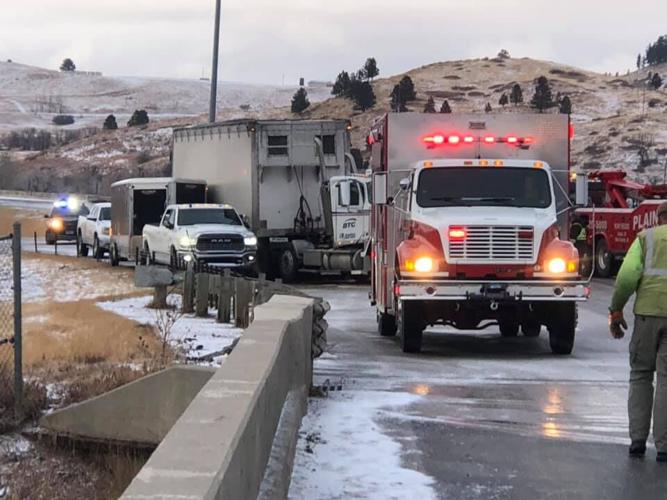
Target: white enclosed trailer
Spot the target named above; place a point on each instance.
(295, 182)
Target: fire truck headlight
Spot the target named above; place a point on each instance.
(424, 265)
(56, 224)
(557, 266)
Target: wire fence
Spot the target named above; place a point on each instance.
(10, 377)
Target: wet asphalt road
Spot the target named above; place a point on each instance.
(500, 418)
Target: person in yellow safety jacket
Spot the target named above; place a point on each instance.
(644, 271)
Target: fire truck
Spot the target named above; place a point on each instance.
(619, 209)
(466, 217)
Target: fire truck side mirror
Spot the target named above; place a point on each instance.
(581, 190)
(380, 188)
(405, 184)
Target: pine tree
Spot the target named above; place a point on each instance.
(542, 99)
(371, 68)
(430, 105)
(67, 65)
(639, 61)
(565, 106)
(407, 89)
(398, 100)
(503, 54)
(656, 81)
(342, 85)
(110, 123)
(445, 107)
(516, 96)
(488, 108)
(503, 100)
(362, 94)
(139, 117)
(300, 101)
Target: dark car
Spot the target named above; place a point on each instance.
(63, 220)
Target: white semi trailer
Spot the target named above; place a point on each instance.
(296, 183)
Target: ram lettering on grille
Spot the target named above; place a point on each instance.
(220, 243)
(494, 243)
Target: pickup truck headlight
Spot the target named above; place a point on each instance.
(106, 231)
(187, 242)
(250, 241)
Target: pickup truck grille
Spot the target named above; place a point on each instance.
(220, 243)
(493, 243)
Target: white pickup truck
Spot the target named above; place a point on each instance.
(214, 234)
(93, 231)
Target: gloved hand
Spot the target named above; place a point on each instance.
(617, 324)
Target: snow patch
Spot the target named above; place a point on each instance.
(343, 452)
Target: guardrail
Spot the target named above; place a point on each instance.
(221, 445)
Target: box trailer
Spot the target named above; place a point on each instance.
(296, 183)
(141, 201)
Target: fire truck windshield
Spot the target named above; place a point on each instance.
(483, 186)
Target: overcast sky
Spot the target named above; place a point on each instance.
(264, 40)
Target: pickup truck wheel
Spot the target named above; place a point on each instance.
(147, 258)
(509, 327)
(563, 327)
(113, 255)
(603, 260)
(288, 265)
(98, 253)
(386, 324)
(173, 258)
(81, 247)
(410, 328)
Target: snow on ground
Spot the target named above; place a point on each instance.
(197, 337)
(342, 437)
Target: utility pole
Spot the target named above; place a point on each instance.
(214, 69)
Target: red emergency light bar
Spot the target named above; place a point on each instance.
(435, 140)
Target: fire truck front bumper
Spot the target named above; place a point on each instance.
(494, 291)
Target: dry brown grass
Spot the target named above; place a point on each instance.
(31, 221)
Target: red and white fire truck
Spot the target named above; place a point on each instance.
(621, 208)
(467, 213)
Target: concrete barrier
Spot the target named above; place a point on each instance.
(139, 413)
(221, 445)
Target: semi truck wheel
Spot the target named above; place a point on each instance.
(603, 260)
(81, 247)
(386, 324)
(562, 327)
(410, 328)
(509, 327)
(288, 265)
(113, 255)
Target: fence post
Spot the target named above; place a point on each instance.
(188, 289)
(18, 331)
(35, 235)
(201, 305)
(225, 297)
(242, 302)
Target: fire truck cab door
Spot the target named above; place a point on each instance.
(350, 220)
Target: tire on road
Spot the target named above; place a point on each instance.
(113, 255)
(410, 328)
(531, 328)
(81, 247)
(98, 251)
(386, 324)
(603, 260)
(508, 325)
(288, 265)
(562, 327)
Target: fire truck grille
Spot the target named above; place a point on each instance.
(220, 243)
(494, 243)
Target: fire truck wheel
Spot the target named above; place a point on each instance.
(410, 328)
(386, 324)
(531, 329)
(509, 327)
(562, 328)
(603, 260)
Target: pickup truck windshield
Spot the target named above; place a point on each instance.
(483, 187)
(105, 213)
(190, 217)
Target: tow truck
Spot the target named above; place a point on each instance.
(621, 209)
(466, 221)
